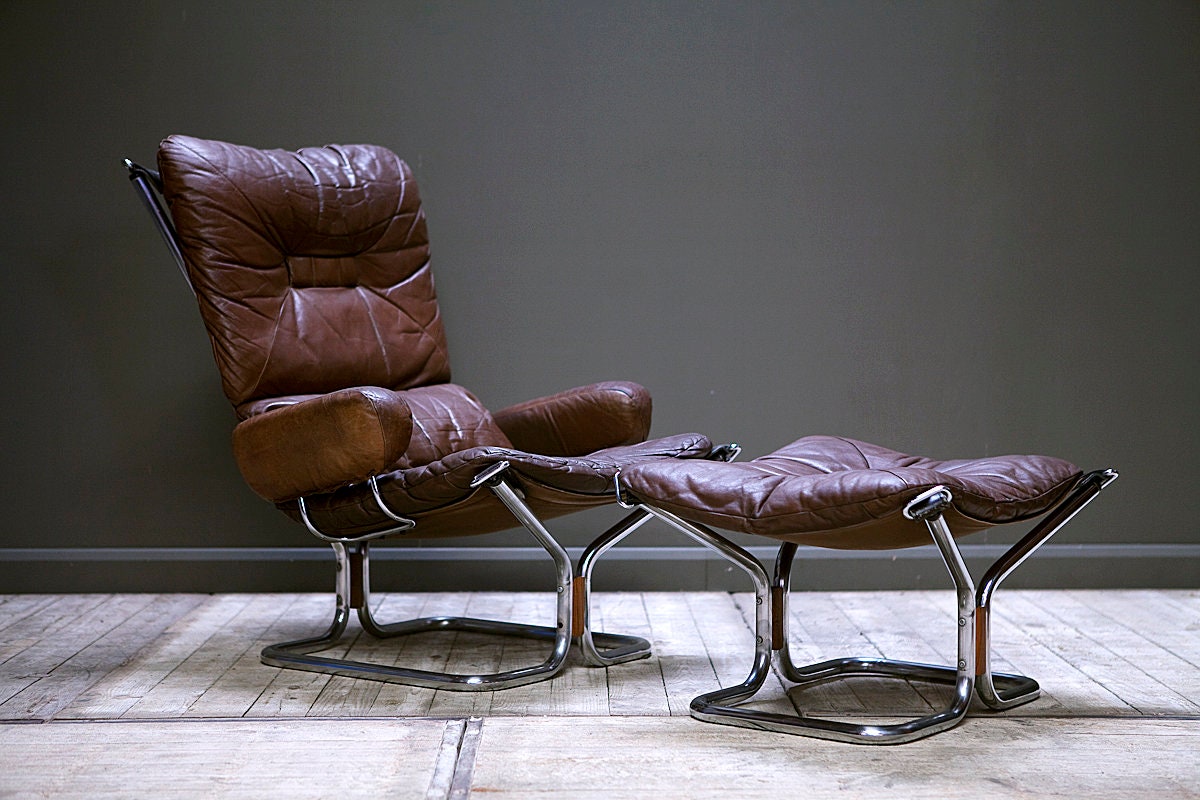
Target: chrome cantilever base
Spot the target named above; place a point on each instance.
(971, 675)
(353, 593)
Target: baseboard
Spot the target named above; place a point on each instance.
(220, 569)
(628, 553)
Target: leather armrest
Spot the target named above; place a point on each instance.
(579, 421)
(320, 444)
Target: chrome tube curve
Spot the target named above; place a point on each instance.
(711, 705)
(405, 524)
(1086, 491)
(286, 654)
(961, 676)
(998, 690)
(618, 648)
(353, 591)
(148, 184)
(562, 564)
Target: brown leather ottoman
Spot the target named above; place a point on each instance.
(839, 493)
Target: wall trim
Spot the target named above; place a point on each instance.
(680, 553)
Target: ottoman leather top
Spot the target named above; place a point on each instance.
(835, 492)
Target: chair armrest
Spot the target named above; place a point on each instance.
(323, 443)
(579, 421)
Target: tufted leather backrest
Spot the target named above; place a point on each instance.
(311, 268)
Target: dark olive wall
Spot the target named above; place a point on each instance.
(957, 228)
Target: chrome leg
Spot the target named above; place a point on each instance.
(617, 648)
(1000, 691)
(961, 676)
(719, 706)
(294, 654)
(353, 591)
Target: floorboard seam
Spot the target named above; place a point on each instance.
(447, 760)
(464, 767)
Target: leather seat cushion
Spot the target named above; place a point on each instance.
(836, 492)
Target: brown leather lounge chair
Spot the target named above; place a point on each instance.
(833, 492)
(312, 273)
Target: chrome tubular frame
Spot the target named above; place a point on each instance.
(1011, 690)
(627, 648)
(711, 707)
(623, 648)
(403, 523)
(148, 184)
(928, 509)
(620, 648)
(353, 592)
(970, 675)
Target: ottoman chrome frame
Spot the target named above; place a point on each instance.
(971, 675)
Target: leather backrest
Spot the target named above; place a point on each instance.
(311, 267)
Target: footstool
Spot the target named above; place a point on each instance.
(839, 493)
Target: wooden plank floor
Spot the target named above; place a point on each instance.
(164, 695)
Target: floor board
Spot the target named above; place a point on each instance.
(1002, 758)
(140, 688)
(227, 758)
